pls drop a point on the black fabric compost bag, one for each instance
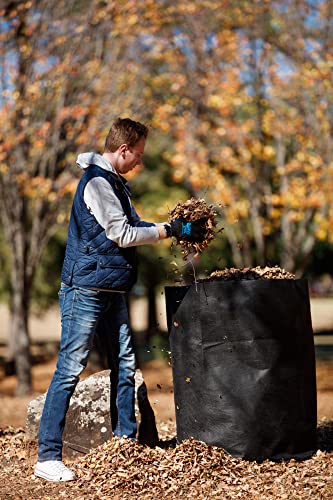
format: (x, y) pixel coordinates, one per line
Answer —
(244, 366)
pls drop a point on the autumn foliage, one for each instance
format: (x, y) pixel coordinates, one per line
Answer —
(249, 109)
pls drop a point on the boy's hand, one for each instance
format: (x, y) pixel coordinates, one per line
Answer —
(183, 229)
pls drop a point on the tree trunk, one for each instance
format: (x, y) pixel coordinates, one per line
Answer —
(10, 354)
(22, 344)
(287, 258)
(20, 329)
(258, 232)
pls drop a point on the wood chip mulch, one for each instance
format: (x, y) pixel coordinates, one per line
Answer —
(120, 469)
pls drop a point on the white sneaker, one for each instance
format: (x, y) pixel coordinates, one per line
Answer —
(54, 470)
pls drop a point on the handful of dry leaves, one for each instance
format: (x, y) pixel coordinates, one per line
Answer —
(191, 210)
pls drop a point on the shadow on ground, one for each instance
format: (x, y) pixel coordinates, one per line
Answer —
(325, 436)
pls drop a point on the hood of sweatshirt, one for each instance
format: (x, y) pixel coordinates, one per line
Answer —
(86, 159)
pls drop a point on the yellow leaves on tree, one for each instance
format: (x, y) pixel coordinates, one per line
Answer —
(251, 119)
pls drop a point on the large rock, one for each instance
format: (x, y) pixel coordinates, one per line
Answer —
(88, 421)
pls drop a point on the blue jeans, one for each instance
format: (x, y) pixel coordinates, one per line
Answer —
(85, 314)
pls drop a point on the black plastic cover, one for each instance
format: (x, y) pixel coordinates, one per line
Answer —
(243, 365)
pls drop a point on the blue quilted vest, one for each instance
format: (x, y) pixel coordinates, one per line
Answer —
(91, 259)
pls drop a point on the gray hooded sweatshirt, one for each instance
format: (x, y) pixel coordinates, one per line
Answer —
(104, 205)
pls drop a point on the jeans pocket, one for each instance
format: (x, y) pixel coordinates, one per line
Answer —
(63, 289)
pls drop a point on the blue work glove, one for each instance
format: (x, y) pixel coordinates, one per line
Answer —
(183, 229)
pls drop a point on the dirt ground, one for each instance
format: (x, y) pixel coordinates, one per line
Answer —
(158, 377)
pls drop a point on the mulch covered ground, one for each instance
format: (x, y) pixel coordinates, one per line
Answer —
(121, 469)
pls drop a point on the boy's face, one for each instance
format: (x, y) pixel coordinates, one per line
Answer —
(131, 157)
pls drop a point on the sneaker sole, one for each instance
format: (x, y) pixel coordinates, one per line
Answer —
(51, 478)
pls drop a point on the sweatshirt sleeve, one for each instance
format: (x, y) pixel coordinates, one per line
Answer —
(137, 222)
(104, 205)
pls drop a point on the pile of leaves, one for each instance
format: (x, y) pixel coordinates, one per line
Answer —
(250, 273)
(121, 469)
(191, 210)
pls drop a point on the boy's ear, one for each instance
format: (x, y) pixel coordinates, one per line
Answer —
(122, 150)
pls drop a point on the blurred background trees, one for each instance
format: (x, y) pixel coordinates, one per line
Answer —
(239, 99)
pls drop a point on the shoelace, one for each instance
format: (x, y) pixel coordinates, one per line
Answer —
(58, 466)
